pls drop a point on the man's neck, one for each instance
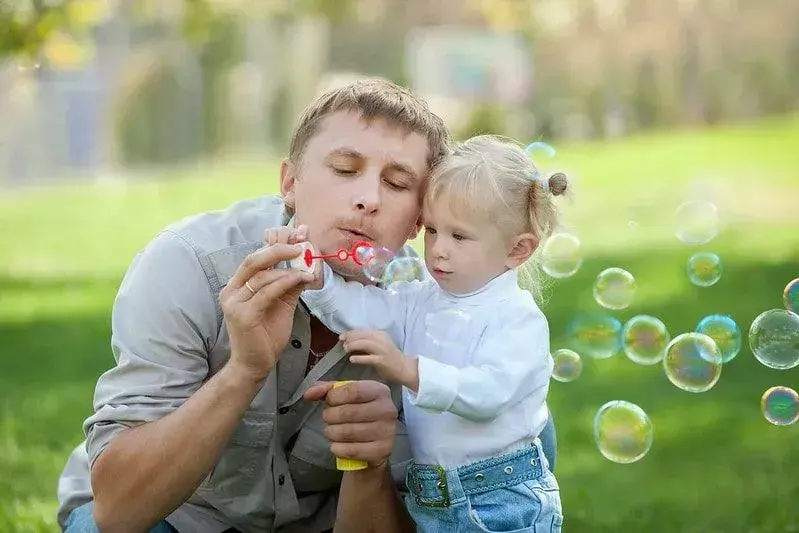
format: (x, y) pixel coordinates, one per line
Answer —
(322, 339)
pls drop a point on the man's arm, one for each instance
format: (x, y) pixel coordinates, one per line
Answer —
(361, 423)
(159, 427)
(148, 471)
(371, 489)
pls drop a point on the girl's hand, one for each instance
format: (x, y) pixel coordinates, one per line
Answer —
(375, 348)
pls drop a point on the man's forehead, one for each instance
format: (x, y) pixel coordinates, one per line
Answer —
(348, 133)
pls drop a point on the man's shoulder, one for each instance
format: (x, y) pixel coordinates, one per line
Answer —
(219, 240)
(240, 223)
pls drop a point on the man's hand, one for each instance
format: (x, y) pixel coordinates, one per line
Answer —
(258, 304)
(360, 418)
(379, 351)
(284, 234)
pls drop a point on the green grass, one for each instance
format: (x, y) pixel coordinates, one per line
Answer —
(715, 466)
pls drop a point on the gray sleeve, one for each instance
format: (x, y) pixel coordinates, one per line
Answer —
(164, 319)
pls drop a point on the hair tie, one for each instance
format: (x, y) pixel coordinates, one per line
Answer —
(536, 176)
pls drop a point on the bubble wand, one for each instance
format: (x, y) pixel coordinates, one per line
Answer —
(305, 261)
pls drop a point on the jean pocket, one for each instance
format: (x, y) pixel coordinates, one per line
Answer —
(547, 491)
(514, 509)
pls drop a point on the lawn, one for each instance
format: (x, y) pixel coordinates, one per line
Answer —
(716, 465)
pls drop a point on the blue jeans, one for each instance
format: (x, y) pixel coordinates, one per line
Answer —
(81, 520)
(513, 492)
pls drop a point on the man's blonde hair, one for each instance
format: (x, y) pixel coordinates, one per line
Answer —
(492, 179)
(374, 98)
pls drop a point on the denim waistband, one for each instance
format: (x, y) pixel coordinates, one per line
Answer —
(437, 486)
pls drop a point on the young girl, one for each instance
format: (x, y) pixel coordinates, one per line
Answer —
(475, 390)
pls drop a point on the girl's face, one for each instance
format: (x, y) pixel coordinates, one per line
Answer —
(463, 256)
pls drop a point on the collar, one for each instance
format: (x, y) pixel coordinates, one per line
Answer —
(502, 287)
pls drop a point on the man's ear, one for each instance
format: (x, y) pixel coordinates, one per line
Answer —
(288, 179)
(522, 248)
(416, 229)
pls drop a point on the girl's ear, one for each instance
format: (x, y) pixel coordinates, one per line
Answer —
(523, 247)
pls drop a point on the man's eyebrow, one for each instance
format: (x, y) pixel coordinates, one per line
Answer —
(402, 167)
(346, 152)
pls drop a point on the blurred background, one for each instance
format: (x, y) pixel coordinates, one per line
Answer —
(118, 117)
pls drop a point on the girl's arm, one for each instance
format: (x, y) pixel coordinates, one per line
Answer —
(343, 305)
(509, 364)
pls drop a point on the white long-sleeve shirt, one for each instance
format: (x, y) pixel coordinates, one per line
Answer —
(484, 363)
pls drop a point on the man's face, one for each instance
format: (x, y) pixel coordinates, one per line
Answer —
(357, 182)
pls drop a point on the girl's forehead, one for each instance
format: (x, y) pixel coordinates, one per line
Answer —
(444, 209)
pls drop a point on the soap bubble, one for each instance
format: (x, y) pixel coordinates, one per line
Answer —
(774, 339)
(697, 222)
(693, 362)
(791, 296)
(780, 406)
(561, 255)
(538, 150)
(567, 365)
(448, 327)
(645, 339)
(622, 432)
(596, 335)
(614, 288)
(405, 269)
(376, 263)
(724, 332)
(364, 253)
(704, 269)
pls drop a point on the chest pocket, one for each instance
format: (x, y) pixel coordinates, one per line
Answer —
(310, 461)
(240, 485)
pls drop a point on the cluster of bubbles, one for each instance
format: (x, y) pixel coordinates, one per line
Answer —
(381, 265)
(691, 361)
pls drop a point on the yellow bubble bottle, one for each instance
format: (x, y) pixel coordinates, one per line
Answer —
(348, 465)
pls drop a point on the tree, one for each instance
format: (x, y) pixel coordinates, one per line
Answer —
(27, 25)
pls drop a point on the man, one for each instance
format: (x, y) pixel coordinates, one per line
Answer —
(219, 414)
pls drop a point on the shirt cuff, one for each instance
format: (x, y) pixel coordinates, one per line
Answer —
(321, 300)
(438, 385)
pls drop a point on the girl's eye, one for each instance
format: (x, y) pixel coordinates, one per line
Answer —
(431, 231)
(397, 186)
(458, 236)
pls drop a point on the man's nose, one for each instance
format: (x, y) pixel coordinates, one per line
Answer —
(366, 197)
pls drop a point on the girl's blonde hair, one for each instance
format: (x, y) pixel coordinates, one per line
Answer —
(493, 178)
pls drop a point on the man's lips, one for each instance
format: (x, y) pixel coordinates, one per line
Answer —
(359, 233)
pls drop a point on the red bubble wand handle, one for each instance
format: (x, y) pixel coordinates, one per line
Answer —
(342, 255)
